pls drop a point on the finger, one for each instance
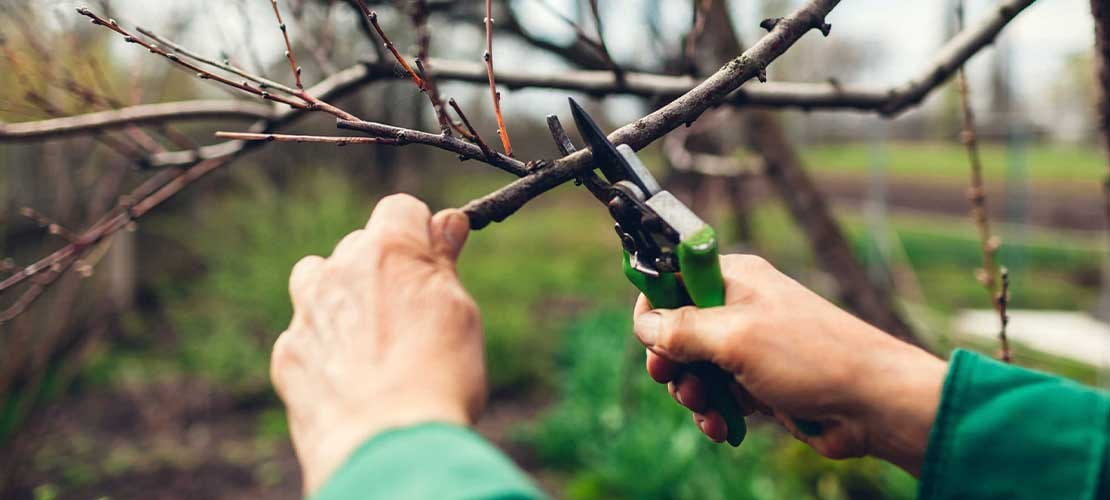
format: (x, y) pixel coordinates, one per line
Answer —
(690, 392)
(713, 425)
(642, 306)
(661, 369)
(743, 398)
(303, 276)
(448, 231)
(400, 216)
(349, 242)
(688, 334)
(751, 403)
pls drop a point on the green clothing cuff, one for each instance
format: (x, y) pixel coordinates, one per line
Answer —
(430, 460)
(1007, 432)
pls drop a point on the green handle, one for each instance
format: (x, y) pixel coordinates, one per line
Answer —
(704, 287)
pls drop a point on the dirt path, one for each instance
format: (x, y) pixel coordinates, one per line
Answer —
(186, 439)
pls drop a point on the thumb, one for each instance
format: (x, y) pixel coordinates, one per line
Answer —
(687, 334)
(448, 231)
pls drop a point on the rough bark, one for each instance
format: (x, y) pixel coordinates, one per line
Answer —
(1100, 9)
(686, 109)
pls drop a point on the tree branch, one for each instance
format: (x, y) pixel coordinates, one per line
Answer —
(988, 275)
(685, 109)
(136, 115)
(494, 94)
(887, 102)
(1101, 12)
(466, 150)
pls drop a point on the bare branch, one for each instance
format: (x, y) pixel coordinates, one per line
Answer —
(200, 72)
(1002, 301)
(1101, 12)
(486, 150)
(494, 94)
(888, 102)
(977, 195)
(135, 115)
(373, 18)
(288, 46)
(465, 150)
(264, 83)
(311, 139)
(685, 109)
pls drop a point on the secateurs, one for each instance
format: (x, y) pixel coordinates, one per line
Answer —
(662, 240)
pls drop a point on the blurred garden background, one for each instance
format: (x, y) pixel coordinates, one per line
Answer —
(145, 374)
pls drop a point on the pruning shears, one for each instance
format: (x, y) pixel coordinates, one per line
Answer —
(661, 238)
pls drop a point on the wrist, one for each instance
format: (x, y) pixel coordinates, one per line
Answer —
(337, 438)
(902, 402)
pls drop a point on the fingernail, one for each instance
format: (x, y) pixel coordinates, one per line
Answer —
(678, 397)
(646, 327)
(455, 229)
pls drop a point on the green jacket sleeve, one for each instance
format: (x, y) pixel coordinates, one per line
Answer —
(1008, 432)
(428, 461)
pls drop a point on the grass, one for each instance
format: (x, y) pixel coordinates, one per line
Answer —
(948, 161)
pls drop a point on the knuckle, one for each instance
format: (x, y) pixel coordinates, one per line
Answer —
(405, 201)
(304, 274)
(284, 354)
(675, 331)
(350, 240)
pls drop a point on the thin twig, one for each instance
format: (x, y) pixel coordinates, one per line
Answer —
(45, 222)
(465, 150)
(312, 139)
(200, 72)
(988, 275)
(373, 18)
(288, 46)
(603, 47)
(419, 17)
(1002, 301)
(263, 82)
(494, 94)
(697, 26)
(471, 130)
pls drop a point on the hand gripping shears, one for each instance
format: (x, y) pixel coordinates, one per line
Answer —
(670, 254)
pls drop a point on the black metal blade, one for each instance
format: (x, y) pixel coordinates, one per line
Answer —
(611, 163)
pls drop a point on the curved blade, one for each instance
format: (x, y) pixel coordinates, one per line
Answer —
(606, 156)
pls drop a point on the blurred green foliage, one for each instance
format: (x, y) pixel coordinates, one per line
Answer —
(228, 318)
(555, 311)
(933, 161)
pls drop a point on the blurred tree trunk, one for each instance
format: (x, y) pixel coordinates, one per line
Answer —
(1101, 12)
(784, 169)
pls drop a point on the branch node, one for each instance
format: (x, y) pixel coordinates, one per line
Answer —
(769, 23)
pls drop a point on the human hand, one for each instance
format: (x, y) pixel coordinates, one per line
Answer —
(383, 335)
(798, 357)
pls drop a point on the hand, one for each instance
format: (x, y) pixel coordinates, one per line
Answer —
(797, 356)
(383, 335)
